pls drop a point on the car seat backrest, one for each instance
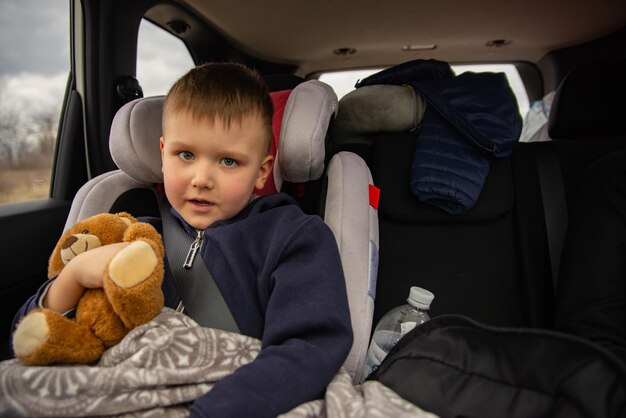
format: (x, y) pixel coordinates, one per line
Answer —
(472, 261)
(351, 213)
(584, 123)
(585, 126)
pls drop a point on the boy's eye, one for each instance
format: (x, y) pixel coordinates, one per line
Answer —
(229, 162)
(185, 155)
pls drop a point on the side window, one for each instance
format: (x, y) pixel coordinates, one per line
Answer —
(34, 67)
(343, 81)
(162, 58)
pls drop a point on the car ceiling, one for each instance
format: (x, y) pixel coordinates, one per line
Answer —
(306, 33)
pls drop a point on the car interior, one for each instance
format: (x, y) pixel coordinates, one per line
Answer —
(497, 263)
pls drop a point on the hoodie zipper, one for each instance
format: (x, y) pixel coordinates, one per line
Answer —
(193, 250)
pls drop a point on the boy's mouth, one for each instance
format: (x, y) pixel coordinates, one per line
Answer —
(201, 202)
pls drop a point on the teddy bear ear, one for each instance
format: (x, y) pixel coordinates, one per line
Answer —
(55, 263)
(126, 217)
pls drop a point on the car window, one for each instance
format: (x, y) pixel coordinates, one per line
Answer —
(34, 68)
(161, 59)
(343, 81)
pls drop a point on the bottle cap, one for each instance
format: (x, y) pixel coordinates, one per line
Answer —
(420, 298)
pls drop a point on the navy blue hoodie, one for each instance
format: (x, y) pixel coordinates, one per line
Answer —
(280, 273)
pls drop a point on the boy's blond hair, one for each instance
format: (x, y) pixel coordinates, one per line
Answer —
(227, 91)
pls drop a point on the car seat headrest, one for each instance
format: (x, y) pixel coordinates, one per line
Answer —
(301, 118)
(302, 144)
(134, 139)
(590, 102)
(373, 109)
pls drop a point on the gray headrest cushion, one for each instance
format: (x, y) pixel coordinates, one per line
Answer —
(302, 145)
(134, 139)
(377, 108)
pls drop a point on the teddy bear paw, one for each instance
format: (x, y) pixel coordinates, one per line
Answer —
(133, 264)
(31, 333)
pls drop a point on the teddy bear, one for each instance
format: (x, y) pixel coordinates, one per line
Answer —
(131, 294)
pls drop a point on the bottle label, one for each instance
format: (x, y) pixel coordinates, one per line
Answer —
(382, 342)
(405, 327)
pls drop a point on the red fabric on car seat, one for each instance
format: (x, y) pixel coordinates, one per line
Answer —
(279, 99)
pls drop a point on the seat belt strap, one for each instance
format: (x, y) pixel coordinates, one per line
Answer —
(554, 204)
(199, 293)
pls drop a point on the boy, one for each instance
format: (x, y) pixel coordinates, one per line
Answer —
(278, 269)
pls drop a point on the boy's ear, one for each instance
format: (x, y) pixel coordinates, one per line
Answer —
(264, 171)
(161, 145)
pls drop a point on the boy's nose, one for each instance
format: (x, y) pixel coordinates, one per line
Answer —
(203, 177)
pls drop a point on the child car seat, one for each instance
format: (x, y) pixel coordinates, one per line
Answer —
(301, 119)
(588, 138)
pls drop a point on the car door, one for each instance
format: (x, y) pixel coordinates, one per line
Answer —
(31, 220)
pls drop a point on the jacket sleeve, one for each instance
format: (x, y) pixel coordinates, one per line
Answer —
(306, 338)
(34, 302)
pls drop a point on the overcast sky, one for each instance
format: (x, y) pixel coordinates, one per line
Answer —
(34, 55)
(34, 51)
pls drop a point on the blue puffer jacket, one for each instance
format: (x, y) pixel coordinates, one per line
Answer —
(469, 119)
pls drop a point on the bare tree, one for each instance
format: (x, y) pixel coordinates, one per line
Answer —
(43, 132)
(27, 136)
(27, 141)
(9, 135)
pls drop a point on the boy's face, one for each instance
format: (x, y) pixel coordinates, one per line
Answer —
(210, 170)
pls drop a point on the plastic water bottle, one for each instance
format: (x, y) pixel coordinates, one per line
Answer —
(394, 325)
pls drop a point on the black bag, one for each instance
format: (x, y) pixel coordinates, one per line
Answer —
(453, 366)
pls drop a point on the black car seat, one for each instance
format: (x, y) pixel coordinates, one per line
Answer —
(589, 142)
(475, 263)
(584, 125)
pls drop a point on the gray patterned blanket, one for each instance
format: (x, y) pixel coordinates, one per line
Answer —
(160, 368)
